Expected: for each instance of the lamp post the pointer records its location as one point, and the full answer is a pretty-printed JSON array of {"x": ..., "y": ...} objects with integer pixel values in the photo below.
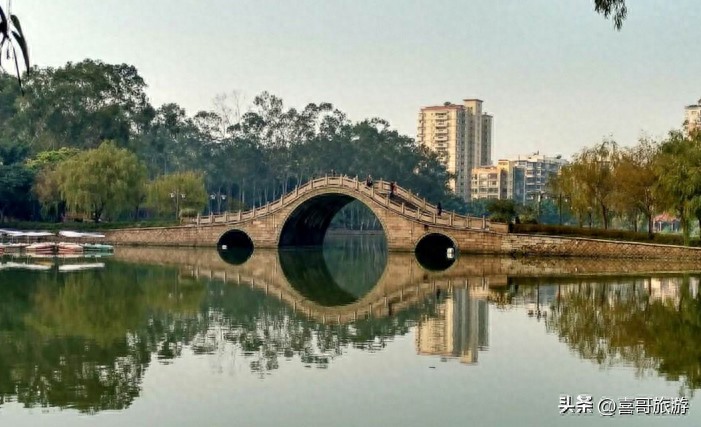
[
  {"x": 177, "y": 196},
  {"x": 219, "y": 198},
  {"x": 540, "y": 199},
  {"x": 559, "y": 205},
  {"x": 589, "y": 209}
]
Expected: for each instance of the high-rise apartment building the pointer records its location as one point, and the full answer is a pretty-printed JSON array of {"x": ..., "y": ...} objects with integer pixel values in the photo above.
[
  {"x": 489, "y": 182},
  {"x": 522, "y": 178},
  {"x": 692, "y": 119},
  {"x": 461, "y": 134},
  {"x": 536, "y": 169}
]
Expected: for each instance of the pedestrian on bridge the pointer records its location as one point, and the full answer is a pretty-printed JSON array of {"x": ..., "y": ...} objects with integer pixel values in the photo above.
[
  {"x": 439, "y": 209},
  {"x": 368, "y": 181},
  {"x": 392, "y": 188}
]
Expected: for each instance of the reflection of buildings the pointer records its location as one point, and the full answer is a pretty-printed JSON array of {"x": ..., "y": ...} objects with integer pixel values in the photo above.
[{"x": 460, "y": 328}]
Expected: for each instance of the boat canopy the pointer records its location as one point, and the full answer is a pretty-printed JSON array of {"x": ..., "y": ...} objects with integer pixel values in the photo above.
[
  {"x": 16, "y": 233},
  {"x": 78, "y": 235}
]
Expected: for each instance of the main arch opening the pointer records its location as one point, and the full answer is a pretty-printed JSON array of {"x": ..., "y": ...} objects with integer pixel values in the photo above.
[
  {"x": 235, "y": 247},
  {"x": 436, "y": 252},
  {"x": 309, "y": 223}
]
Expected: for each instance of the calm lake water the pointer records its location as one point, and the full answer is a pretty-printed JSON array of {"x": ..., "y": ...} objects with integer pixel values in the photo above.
[{"x": 346, "y": 336}]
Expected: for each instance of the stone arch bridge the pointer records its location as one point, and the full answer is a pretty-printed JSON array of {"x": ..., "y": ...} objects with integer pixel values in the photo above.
[{"x": 302, "y": 217}]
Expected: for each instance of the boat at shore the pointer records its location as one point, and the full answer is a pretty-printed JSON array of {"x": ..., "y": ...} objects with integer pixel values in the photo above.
[
  {"x": 68, "y": 248},
  {"x": 43, "y": 248},
  {"x": 85, "y": 241}
]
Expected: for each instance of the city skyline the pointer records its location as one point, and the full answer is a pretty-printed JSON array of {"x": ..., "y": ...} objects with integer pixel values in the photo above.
[{"x": 557, "y": 77}]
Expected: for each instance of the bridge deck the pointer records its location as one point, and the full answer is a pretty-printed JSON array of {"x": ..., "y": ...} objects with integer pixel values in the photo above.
[{"x": 403, "y": 203}]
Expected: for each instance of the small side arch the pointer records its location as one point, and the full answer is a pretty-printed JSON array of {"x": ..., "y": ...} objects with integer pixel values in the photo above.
[
  {"x": 436, "y": 251},
  {"x": 235, "y": 247}
]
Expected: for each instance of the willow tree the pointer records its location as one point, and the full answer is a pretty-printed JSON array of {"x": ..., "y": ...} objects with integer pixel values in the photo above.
[
  {"x": 635, "y": 177},
  {"x": 679, "y": 185},
  {"x": 107, "y": 179},
  {"x": 11, "y": 38},
  {"x": 178, "y": 192},
  {"x": 588, "y": 181}
]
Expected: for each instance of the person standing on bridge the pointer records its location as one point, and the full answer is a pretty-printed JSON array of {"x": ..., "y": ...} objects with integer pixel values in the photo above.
[
  {"x": 439, "y": 209},
  {"x": 368, "y": 181},
  {"x": 392, "y": 188}
]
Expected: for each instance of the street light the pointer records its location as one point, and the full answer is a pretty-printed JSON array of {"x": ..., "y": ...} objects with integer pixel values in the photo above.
[
  {"x": 174, "y": 195},
  {"x": 219, "y": 198},
  {"x": 540, "y": 198},
  {"x": 559, "y": 205}
]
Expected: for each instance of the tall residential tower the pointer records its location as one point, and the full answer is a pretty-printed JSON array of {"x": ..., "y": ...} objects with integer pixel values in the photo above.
[{"x": 462, "y": 137}]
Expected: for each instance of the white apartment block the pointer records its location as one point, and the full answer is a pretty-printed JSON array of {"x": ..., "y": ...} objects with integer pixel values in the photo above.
[
  {"x": 692, "y": 119},
  {"x": 461, "y": 134},
  {"x": 521, "y": 178},
  {"x": 489, "y": 182}
]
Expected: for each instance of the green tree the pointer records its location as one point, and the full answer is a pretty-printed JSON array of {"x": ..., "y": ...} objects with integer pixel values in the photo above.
[
  {"x": 15, "y": 185},
  {"x": 501, "y": 210},
  {"x": 588, "y": 181},
  {"x": 82, "y": 104},
  {"x": 178, "y": 192},
  {"x": 47, "y": 180},
  {"x": 102, "y": 180},
  {"x": 678, "y": 188},
  {"x": 635, "y": 177}
]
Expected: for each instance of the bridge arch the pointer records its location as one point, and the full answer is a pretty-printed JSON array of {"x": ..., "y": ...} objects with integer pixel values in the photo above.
[
  {"x": 235, "y": 246},
  {"x": 309, "y": 219},
  {"x": 436, "y": 251}
]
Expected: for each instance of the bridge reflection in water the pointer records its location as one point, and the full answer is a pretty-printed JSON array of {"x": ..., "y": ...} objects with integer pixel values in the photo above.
[
  {"x": 86, "y": 340},
  {"x": 328, "y": 288}
]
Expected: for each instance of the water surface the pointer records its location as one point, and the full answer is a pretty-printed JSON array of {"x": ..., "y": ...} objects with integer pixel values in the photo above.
[{"x": 347, "y": 336}]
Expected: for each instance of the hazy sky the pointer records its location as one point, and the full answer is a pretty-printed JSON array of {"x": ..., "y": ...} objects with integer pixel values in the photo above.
[{"x": 555, "y": 75}]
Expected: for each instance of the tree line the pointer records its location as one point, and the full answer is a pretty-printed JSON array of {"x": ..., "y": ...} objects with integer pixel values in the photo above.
[
  {"x": 628, "y": 186},
  {"x": 84, "y": 139}
]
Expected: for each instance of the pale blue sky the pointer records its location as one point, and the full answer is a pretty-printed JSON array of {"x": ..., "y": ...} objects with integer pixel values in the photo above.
[{"x": 555, "y": 75}]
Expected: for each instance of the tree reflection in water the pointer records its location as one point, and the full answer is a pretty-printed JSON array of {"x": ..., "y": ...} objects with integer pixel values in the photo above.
[
  {"x": 653, "y": 324},
  {"x": 85, "y": 340}
]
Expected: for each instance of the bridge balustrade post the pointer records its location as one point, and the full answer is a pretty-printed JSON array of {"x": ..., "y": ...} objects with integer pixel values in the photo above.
[
  {"x": 254, "y": 211},
  {"x": 296, "y": 190},
  {"x": 434, "y": 217},
  {"x": 198, "y": 219},
  {"x": 403, "y": 208},
  {"x": 226, "y": 216},
  {"x": 424, "y": 203},
  {"x": 357, "y": 183},
  {"x": 452, "y": 215},
  {"x": 484, "y": 222},
  {"x": 326, "y": 179},
  {"x": 239, "y": 216}
]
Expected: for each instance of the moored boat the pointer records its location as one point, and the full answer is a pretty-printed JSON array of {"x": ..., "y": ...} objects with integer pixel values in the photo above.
[
  {"x": 43, "y": 248},
  {"x": 90, "y": 247},
  {"x": 68, "y": 248}
]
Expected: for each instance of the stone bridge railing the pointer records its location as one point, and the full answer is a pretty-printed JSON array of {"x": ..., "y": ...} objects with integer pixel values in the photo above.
[{"x": 404, "y": 203}]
